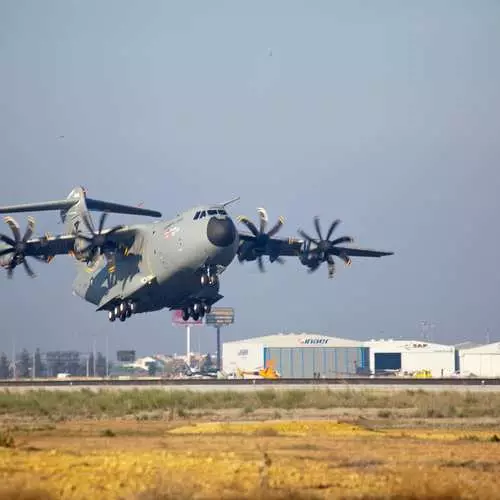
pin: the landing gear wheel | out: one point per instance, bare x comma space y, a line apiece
123, 307
197, 308
111, 316
123, 317
204, 279
207, 308
196, 316
185, 314
128, 313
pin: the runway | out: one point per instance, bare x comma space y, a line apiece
207, 385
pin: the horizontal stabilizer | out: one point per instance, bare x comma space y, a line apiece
38, 207
106, 206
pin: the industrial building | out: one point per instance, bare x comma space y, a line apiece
480, 361
410, 356
297, 355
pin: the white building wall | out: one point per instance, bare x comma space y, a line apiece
242, 355
416, 355
482, 361
440, 364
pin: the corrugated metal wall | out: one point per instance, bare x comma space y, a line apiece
304, 362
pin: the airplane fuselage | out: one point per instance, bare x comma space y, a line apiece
171, 257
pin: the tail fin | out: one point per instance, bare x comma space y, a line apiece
78, 197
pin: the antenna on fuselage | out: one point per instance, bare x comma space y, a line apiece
225, 204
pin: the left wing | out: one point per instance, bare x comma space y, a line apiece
14, 249
312, 252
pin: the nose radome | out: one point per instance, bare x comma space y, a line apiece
221, 232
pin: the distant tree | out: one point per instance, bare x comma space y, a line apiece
100, 365
152, 367
4, 366
39, 368
25, 364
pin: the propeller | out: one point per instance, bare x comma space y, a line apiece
17, 247
253, 250
319, 250
98, 243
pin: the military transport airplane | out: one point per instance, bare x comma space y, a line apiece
172, 264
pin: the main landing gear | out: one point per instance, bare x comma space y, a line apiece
209, 277
122, 311
196, 311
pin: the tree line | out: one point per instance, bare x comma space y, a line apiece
33, 365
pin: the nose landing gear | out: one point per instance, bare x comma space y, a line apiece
209, 276
122, 311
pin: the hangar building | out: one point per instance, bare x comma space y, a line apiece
297, 355
410, 356
482, 361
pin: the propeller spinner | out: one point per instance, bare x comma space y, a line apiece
254, 249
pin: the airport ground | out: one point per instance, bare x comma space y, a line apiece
267, 443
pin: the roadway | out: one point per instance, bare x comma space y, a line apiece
204, 385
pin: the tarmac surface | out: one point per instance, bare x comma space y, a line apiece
68, 386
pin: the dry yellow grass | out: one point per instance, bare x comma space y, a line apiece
319, 459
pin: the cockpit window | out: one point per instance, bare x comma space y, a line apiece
202, 213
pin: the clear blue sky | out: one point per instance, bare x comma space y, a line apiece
383, 114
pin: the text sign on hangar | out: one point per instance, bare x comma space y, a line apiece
219, 316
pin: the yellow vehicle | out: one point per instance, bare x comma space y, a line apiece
267, 372
422, 374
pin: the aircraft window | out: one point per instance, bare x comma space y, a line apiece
212, 212
222, 212
203, 214
196, 215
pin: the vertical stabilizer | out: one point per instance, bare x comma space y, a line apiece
72, 217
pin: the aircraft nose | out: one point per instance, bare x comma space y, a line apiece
221, 232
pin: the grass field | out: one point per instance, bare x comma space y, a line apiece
161, 445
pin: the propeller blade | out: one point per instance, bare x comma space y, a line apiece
14, 226
260, 262
318, 227
7, 240
334, 224
248, 223
28, 269
342, 239
263, 219
6, 251
306, 236
276, 227
346, 259
104, 216
331, 266
29, 229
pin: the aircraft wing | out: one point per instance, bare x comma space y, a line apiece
49, 246
280, 247
358, 252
